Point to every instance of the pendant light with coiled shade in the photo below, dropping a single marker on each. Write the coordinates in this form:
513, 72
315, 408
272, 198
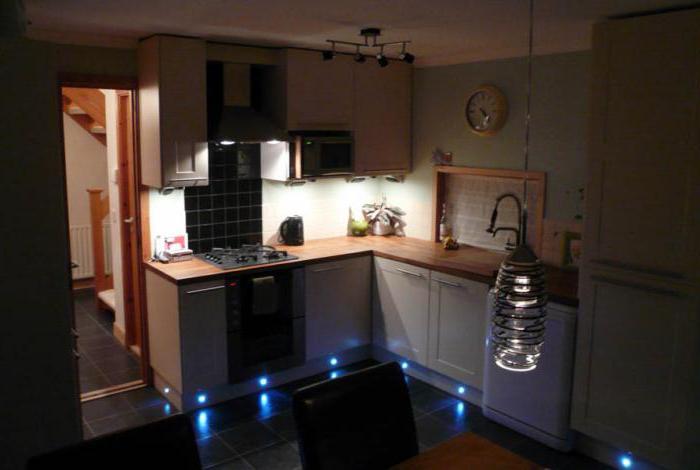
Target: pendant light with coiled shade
520, 294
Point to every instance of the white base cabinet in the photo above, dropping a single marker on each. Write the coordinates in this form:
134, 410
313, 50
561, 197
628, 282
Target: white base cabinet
457, 317
187, 334
338, 306
434, 319
401, 306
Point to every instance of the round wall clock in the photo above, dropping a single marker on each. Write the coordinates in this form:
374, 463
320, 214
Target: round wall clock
486, 110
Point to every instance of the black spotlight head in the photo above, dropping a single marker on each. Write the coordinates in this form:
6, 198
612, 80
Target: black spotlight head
327, 55
359, 58
382, 60
407, 57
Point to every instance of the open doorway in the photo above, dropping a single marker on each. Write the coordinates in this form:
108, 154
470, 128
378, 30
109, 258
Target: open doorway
104, 231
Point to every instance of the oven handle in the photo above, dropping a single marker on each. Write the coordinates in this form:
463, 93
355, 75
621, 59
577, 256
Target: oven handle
207, 289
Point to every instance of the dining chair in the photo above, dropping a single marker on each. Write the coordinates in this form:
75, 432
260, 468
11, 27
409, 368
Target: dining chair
168, 443
362, 420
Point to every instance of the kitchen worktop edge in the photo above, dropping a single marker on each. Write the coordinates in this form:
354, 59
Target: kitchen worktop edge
469, 262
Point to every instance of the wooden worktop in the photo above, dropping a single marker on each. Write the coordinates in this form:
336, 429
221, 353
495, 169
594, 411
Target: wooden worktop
470, 262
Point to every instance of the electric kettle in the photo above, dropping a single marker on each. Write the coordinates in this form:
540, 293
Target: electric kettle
292, 230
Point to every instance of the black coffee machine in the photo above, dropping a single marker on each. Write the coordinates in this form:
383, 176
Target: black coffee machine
292, 230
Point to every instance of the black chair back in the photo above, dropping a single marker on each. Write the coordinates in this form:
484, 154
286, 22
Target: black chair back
362, 420
168, 443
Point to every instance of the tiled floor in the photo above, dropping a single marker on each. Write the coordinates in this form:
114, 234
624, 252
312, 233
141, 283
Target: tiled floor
122, 411
103, 360
257, 431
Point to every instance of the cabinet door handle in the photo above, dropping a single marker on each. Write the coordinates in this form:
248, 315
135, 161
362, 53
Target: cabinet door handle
330, 268
410, 273
207, 289
450, 284
76, 354
74, 332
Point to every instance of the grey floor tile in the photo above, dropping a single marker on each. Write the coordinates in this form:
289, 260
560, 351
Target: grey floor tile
156, 412
250, 436
431, 400
235, 464
105, 407
280, 456
93, 383
117, 377
144, 398
87, 432
212, 451
432, 431
283, 424
116, 423
112, 362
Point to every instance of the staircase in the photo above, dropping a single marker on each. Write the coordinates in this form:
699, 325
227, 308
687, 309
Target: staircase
86, 106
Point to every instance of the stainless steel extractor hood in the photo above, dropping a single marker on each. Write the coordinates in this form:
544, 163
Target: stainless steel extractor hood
238, 102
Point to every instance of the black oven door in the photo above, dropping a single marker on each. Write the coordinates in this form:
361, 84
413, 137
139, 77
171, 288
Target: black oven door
265, 322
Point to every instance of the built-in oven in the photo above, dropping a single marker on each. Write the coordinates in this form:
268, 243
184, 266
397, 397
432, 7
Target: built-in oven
265, 321
326, 154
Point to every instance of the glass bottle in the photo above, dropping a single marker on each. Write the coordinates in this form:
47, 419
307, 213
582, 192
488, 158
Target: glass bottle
445, 229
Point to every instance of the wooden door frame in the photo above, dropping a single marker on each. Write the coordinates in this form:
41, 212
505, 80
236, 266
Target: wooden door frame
135, 248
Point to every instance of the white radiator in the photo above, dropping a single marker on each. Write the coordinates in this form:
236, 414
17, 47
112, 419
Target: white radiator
81, 250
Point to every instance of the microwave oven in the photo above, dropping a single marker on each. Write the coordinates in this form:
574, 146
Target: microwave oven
326, 154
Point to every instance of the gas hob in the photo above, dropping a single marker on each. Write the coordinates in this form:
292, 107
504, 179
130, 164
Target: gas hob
246, 255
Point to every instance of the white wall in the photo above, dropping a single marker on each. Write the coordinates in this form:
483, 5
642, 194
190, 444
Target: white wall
114, 212
86, 167
324, 204
557, 138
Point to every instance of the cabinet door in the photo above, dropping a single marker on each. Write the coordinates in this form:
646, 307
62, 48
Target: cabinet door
457, 316
643, 195
203, 335
383, 118
172, 111
634, 360
319, 93
402, 302
338, 308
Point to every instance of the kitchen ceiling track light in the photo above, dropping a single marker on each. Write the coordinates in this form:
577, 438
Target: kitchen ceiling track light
370, 36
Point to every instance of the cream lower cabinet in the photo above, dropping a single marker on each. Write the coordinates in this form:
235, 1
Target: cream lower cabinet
636, 383
457, 316
338, 306
187, 334
636, 363
401, 309
203, 334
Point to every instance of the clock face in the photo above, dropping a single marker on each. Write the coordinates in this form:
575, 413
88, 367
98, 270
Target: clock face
486, 110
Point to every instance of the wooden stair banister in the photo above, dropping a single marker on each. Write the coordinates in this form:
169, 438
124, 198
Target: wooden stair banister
99, 209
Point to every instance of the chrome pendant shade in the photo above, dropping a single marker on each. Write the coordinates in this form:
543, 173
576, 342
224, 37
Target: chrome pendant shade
520, 310
520, 295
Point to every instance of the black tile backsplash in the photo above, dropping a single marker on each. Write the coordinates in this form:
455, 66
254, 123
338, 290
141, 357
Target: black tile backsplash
228, 212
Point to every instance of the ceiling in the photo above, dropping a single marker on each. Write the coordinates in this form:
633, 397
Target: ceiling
442, 31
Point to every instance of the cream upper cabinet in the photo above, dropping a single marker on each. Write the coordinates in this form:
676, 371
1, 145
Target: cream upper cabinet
635, 384
457, 324
383, 118
643, 195
338, 306
172, 111
401, 309
318, 93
